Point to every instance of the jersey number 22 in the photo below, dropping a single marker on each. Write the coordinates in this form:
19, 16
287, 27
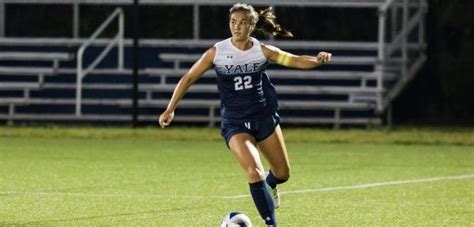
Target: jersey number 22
241, 83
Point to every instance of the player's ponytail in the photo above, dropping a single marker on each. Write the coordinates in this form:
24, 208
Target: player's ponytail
264, 20
266, 23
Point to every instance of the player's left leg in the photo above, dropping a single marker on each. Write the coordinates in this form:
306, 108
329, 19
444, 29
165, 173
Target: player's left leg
274, 150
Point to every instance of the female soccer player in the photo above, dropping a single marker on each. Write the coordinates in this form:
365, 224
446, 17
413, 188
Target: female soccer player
248, 100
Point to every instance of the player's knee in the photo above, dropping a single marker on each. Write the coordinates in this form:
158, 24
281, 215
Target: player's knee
255, 175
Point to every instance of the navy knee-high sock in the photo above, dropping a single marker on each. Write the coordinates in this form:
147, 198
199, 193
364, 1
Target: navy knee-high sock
272, 181
263, 202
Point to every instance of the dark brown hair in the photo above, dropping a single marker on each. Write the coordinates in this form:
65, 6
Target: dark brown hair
264, 20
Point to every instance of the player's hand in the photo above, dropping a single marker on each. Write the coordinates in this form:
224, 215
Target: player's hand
166, 118
324, 57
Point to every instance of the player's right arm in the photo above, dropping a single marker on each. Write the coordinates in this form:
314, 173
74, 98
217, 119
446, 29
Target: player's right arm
196, 71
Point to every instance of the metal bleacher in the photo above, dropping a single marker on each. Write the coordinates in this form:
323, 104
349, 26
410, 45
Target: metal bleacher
19, 84
89, 80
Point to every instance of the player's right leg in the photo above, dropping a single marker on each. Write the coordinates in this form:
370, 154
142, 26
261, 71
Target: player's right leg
245, 151
244, 148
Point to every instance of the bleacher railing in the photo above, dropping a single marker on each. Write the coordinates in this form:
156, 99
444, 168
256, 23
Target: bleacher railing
396, 49
117, 40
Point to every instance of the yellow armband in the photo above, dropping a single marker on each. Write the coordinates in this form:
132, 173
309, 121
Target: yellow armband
284, 58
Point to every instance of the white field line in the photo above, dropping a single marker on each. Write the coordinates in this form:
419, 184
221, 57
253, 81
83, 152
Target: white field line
362, 186
177, 196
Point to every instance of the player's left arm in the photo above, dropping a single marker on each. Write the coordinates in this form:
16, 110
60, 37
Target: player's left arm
295, 61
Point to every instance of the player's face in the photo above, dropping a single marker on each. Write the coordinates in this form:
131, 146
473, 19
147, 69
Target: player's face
240, 26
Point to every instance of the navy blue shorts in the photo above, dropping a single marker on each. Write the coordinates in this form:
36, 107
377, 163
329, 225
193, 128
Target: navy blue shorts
260, 129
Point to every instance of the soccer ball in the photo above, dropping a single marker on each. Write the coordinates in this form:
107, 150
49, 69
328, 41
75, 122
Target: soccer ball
236, 219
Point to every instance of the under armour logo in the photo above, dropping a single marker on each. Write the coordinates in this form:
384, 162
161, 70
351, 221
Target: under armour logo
229, 56
247, 125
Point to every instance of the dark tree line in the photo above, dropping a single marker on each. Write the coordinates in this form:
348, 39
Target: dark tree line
444, 90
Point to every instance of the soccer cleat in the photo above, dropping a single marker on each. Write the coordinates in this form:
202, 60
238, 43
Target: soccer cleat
274, 193
276, 197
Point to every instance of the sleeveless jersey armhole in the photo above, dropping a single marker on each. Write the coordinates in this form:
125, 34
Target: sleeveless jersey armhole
259, 47
215, 55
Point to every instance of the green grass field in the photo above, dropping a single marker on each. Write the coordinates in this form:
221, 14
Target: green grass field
187, 177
